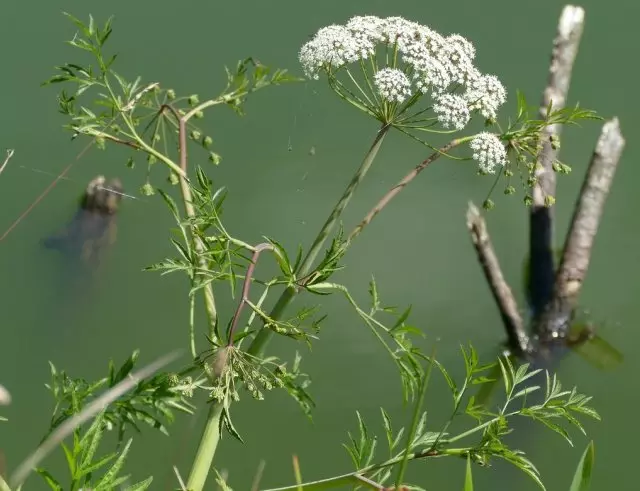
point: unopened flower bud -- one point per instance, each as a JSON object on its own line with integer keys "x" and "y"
{"x": 147, "y": 190}
{"x": 488, "y": 204}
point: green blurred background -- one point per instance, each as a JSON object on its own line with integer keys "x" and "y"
{"x": 418, "y": 249}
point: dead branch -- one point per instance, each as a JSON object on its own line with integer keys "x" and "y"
{"x": 565, "y": 49}
{"x": 10, "y": 153}
{"x": 518, "y": 339}
{"x": 584, "y": 225}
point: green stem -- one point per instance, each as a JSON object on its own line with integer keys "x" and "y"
{"x": 206, "y": 450}
{"x": 211, "y": 435}
{"x": 354, "y": 477}
{"x": 479, "y": 427}
{"x": 264, "y": 335}
{"x": 414, "y": 423}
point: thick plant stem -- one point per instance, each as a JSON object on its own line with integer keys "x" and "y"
{"x": 262, "y": 338}
{"x": 206, "y": 450}
{"x": 211, "y": 434}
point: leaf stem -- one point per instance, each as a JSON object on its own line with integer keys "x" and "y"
{"x": 384, "y": 201}
{"x": 414, "y": 423}
{"x": 261, "y": 340}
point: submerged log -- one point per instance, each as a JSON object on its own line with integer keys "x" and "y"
{"x": 93, "y": 227}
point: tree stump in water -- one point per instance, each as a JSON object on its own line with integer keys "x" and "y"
{"x": 93, "y": 227}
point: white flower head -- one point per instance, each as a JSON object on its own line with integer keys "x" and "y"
{"x": 452, "y": 111}
{"x": 431, "y": 74}
{"x": 397, "y": 29}
{"x": 332, "y": 46}
{"x": 486, "y": 94}
{"x": 460, "y": 65}
{"x": 463, "y": 44}
{"x": 434, "y": 63}
{"x": 367, "y": 31}
{"x": 488, "y": 151}
{"x": 392, "y": 84}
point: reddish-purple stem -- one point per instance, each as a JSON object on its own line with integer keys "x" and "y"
{"x": 246, "y": 286}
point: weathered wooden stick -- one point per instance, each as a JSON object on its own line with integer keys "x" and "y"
{"x": 541, "y": 267}
{"x": 518, "y": 339}
{"x": 584, "y": 225}
{"x": 10, "y": 153}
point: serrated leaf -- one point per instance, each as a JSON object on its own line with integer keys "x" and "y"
{"x": 282, "y": 257}
{"x": 403, "y": 317}
{"x": 386, "y": 421}
{"x": 506, "y": 376}
{"x": 557, "y": 428}
{"x": 140, "y": 486}
{"x": 228, "y": 424}
{"x": 526, "y": 391}
{"x": 107, "y": 480}
{"x": 71, "y": 461}
{"x": 48, "y": 478}
{"x": 170, "y": 203}
{"x": 128, "y": 365}
{"x": 447, "y": 377}
{"x": 94, "y": 433}
{"x": 373, "y": 293}
{"x": 582, "y": 477}
{"x": 91, "y": 467}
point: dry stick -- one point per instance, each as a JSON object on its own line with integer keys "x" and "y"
{"x": 541, "y": 268}
{"x": 10, "y": 153}
{"x": 518, "y": 338}
{"x": 584, "y": 226}
{"x": 66, "y": 428}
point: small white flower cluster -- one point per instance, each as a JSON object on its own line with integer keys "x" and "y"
{"x": 392, "y": 85}
{"x": 488, "y": 151}
{"x": 434, "y": 63}
{"x": 452, "y": 111}
{"x": 486, "y": 95}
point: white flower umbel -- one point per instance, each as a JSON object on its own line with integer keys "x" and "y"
{"x": 486, "y": 94}
{"x": 429, "y": 63}
{"x": 488, "y": 151}
{"x": 452, "y": 111}
{"x": 463, "y": 44}
{"x": 332, "y": 46}
{"x": 392, "y": 85}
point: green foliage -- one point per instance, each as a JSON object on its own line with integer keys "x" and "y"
{"x": 158, "y": 124}
{"x": 485, "y": 437}
{"x": 582, "y": 477}
{"x": 106, "y": 106}
{"x": 152, "y": 402}
{"x": 83, "y": 464}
